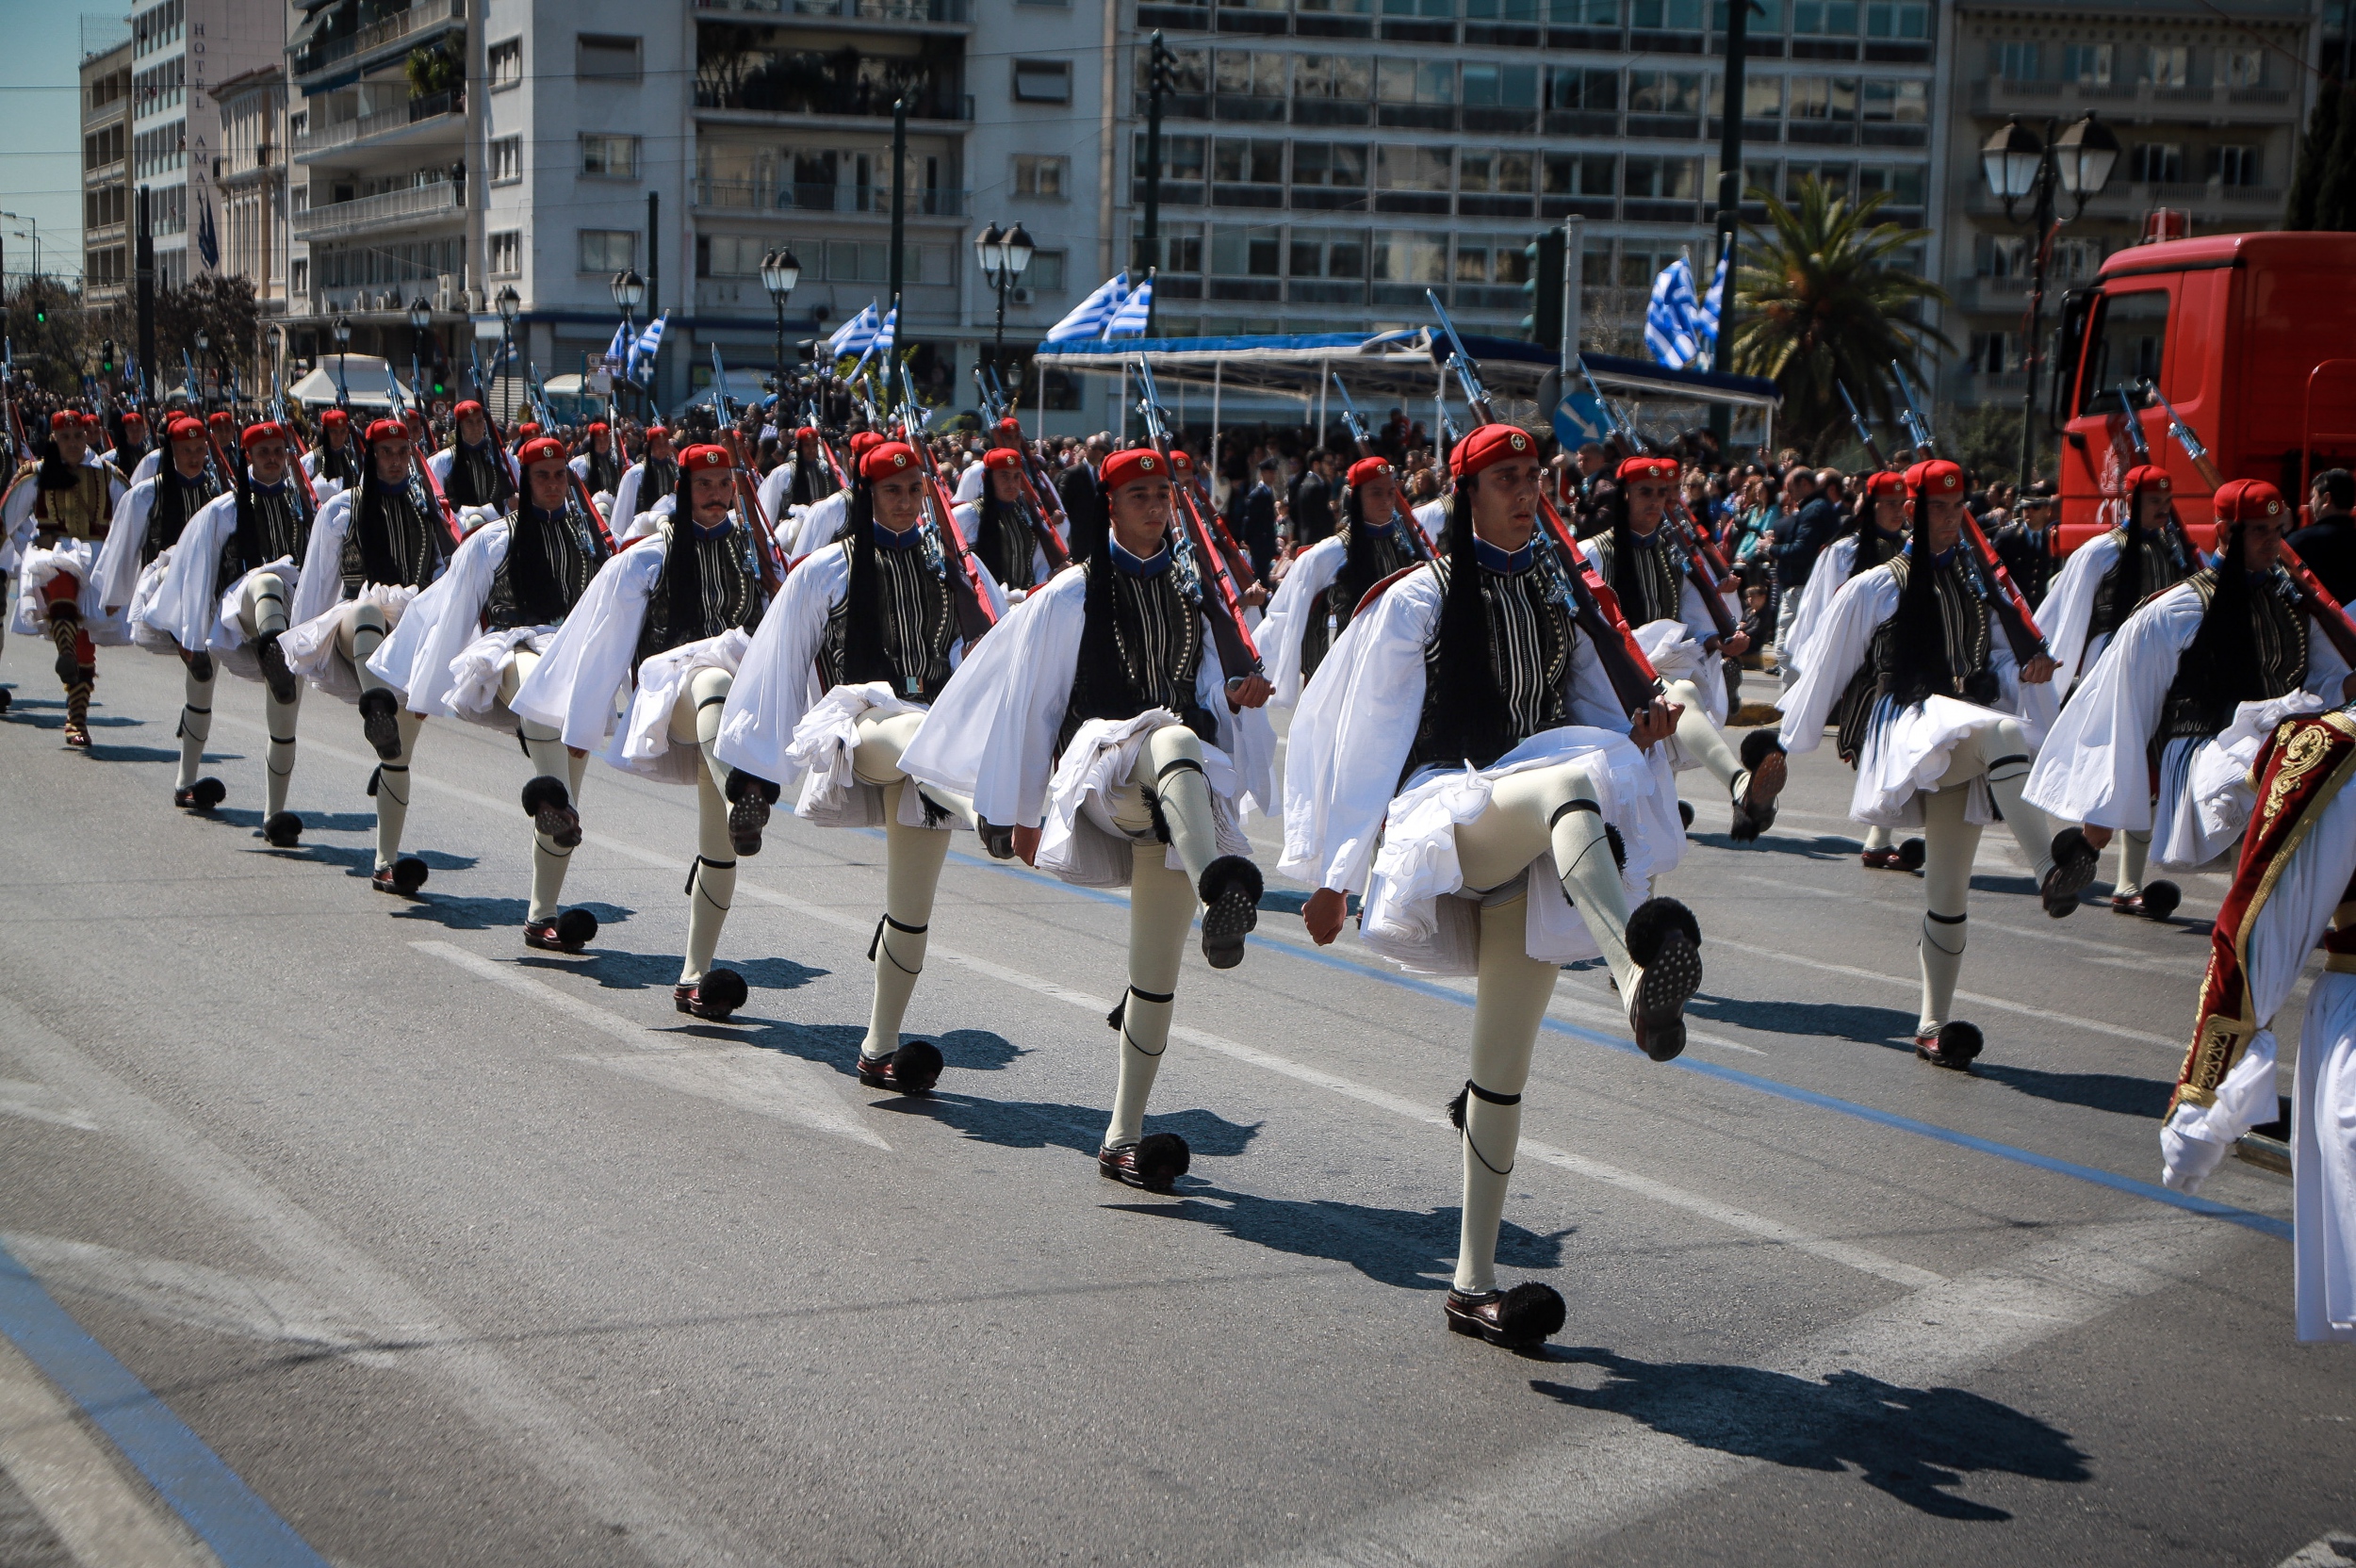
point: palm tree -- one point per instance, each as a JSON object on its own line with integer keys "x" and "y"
{"x": 1819, "y": 303}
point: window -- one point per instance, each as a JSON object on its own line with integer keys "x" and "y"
{"x": 2233, "y": 165}
{"x": 1585, "y": 13}
{"x": 1259, "y": 75}
{"x": 1581, "y": 174}
{"x": 506, "y": 62}
{"x": 2241, "y": 68}
{"x": 1410, "y": 257}
{"x": 605, "y": 57}
{"x": 2075, "y": 260}
{"x": 1994, "y": 353}
{"x": 1513, "y": 87}
{"x": 1570, "y": 87}
{"x": 507, "y": 160}
{"x": 1904, "y": 103}
{"x": 1341, "y": 164}
{"x": 1407, "y": 81}
{"x": 1036, "y": 174}
{"x": 729, "y": 256}
{"x": 1498, "y": 173}
{"x": 1327, "y": 253}
{"x": 1182, "y": 248}
{"x": 507, "y": 254}
{"x": 2130, "y": 337}
{"x": 1399, "y": 168}
{"x": 1042, "y": 81}
{"x": 1662, "y": 179}
{"x": 614, "y": 158}
{"x": 2014, "y": 61}
{"x": 1346, "y": 77}
{"x": 2089, "y": 64}
{"x": 1664, "y": 92}
{"x": 2169, "y": 66}
{"x": 1834, "y": 177}
{"x": 1482, "y": 261}
{"x": 1246, "y": 160}
{"x": 1245, "y": 253}
{"x": 1823, "y": 98}
{"x": 1182, "y": 156}
{"x": 608, "y": 250}
{"x": 1045, "y": 273}
{"x": 300, "y": 275}
{"x": 1906, "y": 20}
{"x": 1905, "y": 182}
{"x": 1824, "y": 18}
{"x": 2159, "y": 163}
{"x": 1683, "y": 16}
{"x": 1762, "y": 97}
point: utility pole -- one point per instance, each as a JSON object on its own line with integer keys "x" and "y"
{"x": 143, "y": 261}
{"x": 1729, "y": 198}
{"x": 1157, "y": 79}
{"x": 899, "y": 224}
{"x": 654, "y": 279}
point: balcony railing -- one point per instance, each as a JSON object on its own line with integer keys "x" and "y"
{"x": 2011, "y": 95}
{"x": 760, "y": 196}
{"x": 320, "y": 52}
{"x": 864, "y": 101}
{"x": 392, "y": 206}
{"x": 945, "y": 11}
{"x": 360, "y": 129}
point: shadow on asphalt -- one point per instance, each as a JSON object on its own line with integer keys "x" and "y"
{"x": 1868, "y": 1025}
{"x": 2145, "y": 1098}
{"x": 313, "y": 822}
{"x": 1916, "y": 1445}
{"x": 1821, "y": 847}
{"x": 100, "y": 751}
{"x": 359, "y": 861}
{"x": 1406, "y": 1248}
{"x": 639, "y": 972}
{"x": 492, "y": 914}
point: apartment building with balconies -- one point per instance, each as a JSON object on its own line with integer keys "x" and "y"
{"x": 2207, "y": 99}
{"x": 106, "y": 260}
{"x": 253, "y": 183}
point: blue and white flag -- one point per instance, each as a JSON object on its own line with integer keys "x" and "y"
{"x": 642, "y": 353}
{"x": 618, "y": 351}
{"x": 888, "y": 333}
{"x": 1715, "y": 300}
{"x": 853, "y": 336}
{"x": 1673, "y": 332}
{"x": 1131, "y": 319}
{"x": 1093, "y": 315}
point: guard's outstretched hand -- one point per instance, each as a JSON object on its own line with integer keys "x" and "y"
{"x": 1323, "y": 914}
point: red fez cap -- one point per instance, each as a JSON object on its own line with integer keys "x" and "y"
{"x": 541, "y": 449}
{"x": 92, "y": 422}
{"x": 133, "y": 416}
{"x": 268, "y": 429}
{"x": 1128, "y": 467}
{"x": 182, "y": 428}
{"x": 658, "y": 429}
{"x": 335, "y": 416}
{"x": 1937, "y": 476}
{"x": 705, "y": 456}
{"x": 597, "y": 427}
{"x": 806, "y": 432}
{"x": 862, "y": 440}
{"x": 1647, "y": 468}
{"x": 886, "y": 458}
{"x": 2240, "y": 500}
{"x": 469, "y": 406}
{"x": 2146, "y": 477}
{"x": 1011, "y": 426}
{"x": 1367, "y": 468}
{"x": 527, "y": 430}
{"x": 1179, "y": 462}
{"x": 1489, "y": 444}
{"x": 221, "y": 416}
{"x": 387, "y": 430}
{"x": 1002, "y": 457}
{"x": 65, "y": 418}
{"x": 1887, "y": 482}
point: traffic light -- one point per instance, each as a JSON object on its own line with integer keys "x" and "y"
{"x": 1545, "y": 288}
{"x": 106, "y": 356}
{"x": 40, "y": 315}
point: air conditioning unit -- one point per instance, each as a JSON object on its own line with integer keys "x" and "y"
{"x": 1018, "y": 296}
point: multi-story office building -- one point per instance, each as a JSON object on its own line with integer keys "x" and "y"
{"x": 180, "y": 51}
{"x": 252, "y": 185}
{"x": 106, "y": 197}
{"x": 2206, "y": 97}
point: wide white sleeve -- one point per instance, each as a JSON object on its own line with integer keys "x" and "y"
{"x": 1824, "y": 580}
{"x": 575, "y": 687}
{"x": 579, "y": 465}
{"x": 1856, "y": 612}
{"x": 16, "y": 521}
{"x": 1431, "y": 517}
{"x": 2326, "y": 670}
{"x": 1694, "y": 610}
{"x": 778, "y": 679}
{"x": 1285, "y": 627}
{"x": 1350, "y": 736}
{"x": 187, "y": 601}
{"x": 441, "y": 462}
{"x": 1245, "y": 734}
{"x": 2095, "y": 764}
{"x": 117, "y": 572}
{"x": 992, "y": 736}
{"x": 440, "y": 622}
{"x": 320, "y": 583}
{"x": 2066, "y": 614}
{"x": 820, "y": 522}
{"x": 626, "y": 493}
{"x": 774, "y": 485}
{"x": 647, "y": 521}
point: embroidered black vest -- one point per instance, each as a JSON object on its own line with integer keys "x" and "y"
{"x": 912, "y": 612}
{"x": 175, "y": 501}
{"x": 708, "y": 584}
{"x": 1003, "y": 541}
{"x": 1530, "y": 641}
{"x": 1649, "y": 581}
{"x": 605, "y": 472}
{"x": 272, "y": 524}
{"x": 550, "y": 558}
{"x": 1964, "y": 630}
{"x": 1157, "y": 641}
{"x": 2132, "y": 580}
{"x": 392, "y": 539}
{"x": 478, "y": 477}
{"x": 2199, "y": 704}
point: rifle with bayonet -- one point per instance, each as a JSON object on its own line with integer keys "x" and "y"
{"x": 1864, "y": 431}
{"x": 1594, "y": 604}
{"x": 2012, "y": 606}
{"x": 975, "y": 615}
{"x": 1034, "y": 492}
{"x": 1705, "y": 567}
{"x": 1238, "y": 655}
{"x": 1417, "y": 545}
{"x": 421, "y": 472}
{"x": 2179, "y": 544}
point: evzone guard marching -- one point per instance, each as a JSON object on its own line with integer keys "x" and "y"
{"x": 1916, "y": 663}
{"x": 649, "y": 485}
{"x": 465, "y": 646}
{"x": 1686, "y": 639}
{"x": 222, "y": 600}
{"x": 58, "y": 514}
{"x": 1482, "y": 756}
{"x": 1099, "y": 733}
{"x": 476, "y": 477}
{"x": 802, "y": 480}
{"x": 2155, "y": 744}
{"x": 997, "y": 526}
{"x": 373, "y": 550}
{"x": 2101, "y": 585}
{"x": 866, "y": 636}
{"x": 667, "y": 620}
{"x": 1311, "y": 607}
{"x": 333, "y": 459}
{"x": 1876, "y": 532}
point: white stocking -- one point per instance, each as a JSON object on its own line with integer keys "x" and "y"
{"x": 1508, "y": 1008}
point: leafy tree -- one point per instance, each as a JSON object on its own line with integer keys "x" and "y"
{"x": 222, "y": 308}
{"x": 1821, "y": 303}
{"x": 45, "y": 330}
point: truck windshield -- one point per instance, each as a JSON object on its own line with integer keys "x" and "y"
{"x": 2130, "y": 333}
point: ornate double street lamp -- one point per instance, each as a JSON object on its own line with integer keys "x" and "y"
{"x": 779, "y": 271}
{"x": 1004, "y": 253}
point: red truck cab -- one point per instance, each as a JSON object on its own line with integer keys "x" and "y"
{"x": 2251, "y": 337}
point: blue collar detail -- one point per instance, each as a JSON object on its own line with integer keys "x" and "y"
{"x": 887, "y": 540}
{"x": 1511, "y": 563}
{"x": 1136, "y": 566}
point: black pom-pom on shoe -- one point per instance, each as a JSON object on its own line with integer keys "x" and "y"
{"x": 1526, "y": 1315}
{"x": 549, "y": 806}
{"x": 1954, "y": 1047}
{"x": 1154, "y": 1162}
{"x": 1664, "y": 940}
{"x": 202, "y": 795}
{"x": 404, "y": 878}
{"x": 380, "y": 722}
{"x": 916, "y": 1067}
{"x": 1685, "y": 813}
{"x": 568, "y": 933}
{"x": 1231, "y": 891}
{"x": 2160, "y": 899}
{"x": 1911, "y": 854}
{"x": 714, "y": 997}
{"x": 283, "y": 830}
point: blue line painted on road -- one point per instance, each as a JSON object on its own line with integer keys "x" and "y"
{"x": 241, "y": 1528}
{"x": 2264, "y": 1224}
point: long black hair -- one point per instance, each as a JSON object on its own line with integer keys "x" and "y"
{"x": 1361, "y": 567}
{"x": 863, "y": 656}
{"x": 1872, "y": 548}
{"x": 1470, "y": 720}
{"x": 1919, "y": 639}
{"x": 2221, "y": 666}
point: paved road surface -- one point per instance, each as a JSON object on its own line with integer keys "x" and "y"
{"x": 453, "y": 1255}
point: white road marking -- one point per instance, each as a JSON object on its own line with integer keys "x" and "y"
{"x": 1549, "y": 1501}
{"x": 90, "y": 1505}
{"x": 40, "y": 1102}
{"x": 2336, "y": 1550}
{"x": 203, "y": 1298}
{"x": 766, "y": 1082}
{"x": 605, "y": 1479}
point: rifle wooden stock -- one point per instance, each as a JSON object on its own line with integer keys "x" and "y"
{"x": 773, "y": 569}
{"x": 1633, "y": 678}
{"x": 2318, "y": 600}
{"x": 2020, "y": 628}
{"x": 975, "y": 615}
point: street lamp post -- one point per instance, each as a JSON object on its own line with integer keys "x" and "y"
{"x": 630, "y": 292}
{"x": 203, "y": 399}
{"x": 342, "y": 331}
{"x": 779, "y": 273}
{"x": 1004, "y": 254}
{"x": 35, "y": 226}
{"x": 509, "y": 302}
{"x": 2018, "y": 163}
{"x": 420, "y": 322}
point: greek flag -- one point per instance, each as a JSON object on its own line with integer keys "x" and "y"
{"x": 1130, "y": 320}
{"x": 853, "y": 336}
{"x": 642, "y": 352}
{"x": 618, "y": 351}
{"x": 1095, "y": 313}
{"x": 886, "y": 334}
{"x": 1673, "y": 325}
{"x": 1707, "y": 318}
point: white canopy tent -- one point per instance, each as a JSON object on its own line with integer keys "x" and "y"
{"x": 362, "y": 374}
